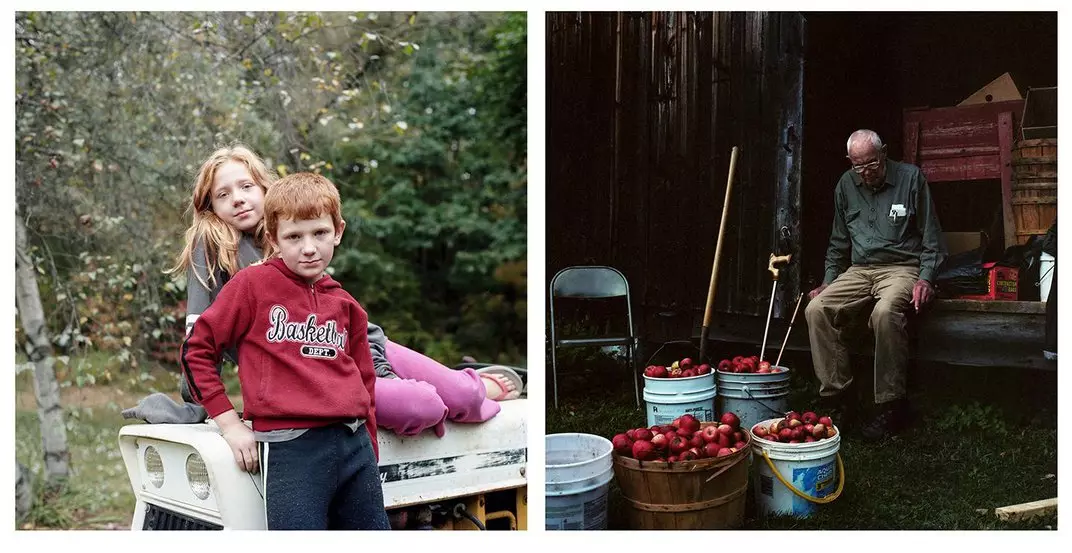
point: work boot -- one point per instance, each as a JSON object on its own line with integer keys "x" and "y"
{"x": 890, "y": 418}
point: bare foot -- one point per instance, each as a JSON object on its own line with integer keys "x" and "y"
{"x": 499, "y": 388}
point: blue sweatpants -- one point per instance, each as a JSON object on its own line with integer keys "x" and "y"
{"x": 325, "y": 479}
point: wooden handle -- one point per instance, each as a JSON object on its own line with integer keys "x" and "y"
{"x": 718, "y": 253}
{"x": 777, "y": 260}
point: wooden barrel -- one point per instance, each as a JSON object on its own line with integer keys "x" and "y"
{"x": 706, "y": 494}
{"x": 1034, "y": 187}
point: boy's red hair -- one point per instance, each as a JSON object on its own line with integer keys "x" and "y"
{"x": 301, "y": 196}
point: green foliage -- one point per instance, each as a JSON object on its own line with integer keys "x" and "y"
{"x": 972, "y": 417}
{"x": 418, "y": 118}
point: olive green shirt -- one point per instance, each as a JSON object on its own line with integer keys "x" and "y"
{"x": 894, "y": 225}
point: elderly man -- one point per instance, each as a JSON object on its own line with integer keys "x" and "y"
{"x": 885, "y": 250}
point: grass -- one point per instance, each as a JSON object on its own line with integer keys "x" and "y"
{"x": 982, "y": 438}
{"x": 98, "y": 494}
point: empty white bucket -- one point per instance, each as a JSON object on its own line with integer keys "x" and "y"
{"x": 1046, "y": 264}
{"x": 814, "y": 469}
{"x": 669, "y": 398}
{"x": 754, "y": 396}
{"x": 579, "y": 470}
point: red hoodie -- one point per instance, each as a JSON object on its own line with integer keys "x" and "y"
{"x": 303, "y": 351}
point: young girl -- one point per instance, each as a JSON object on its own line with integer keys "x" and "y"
{"x": 413, "y": 392}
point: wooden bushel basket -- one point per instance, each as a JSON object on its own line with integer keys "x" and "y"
{"x": 706, "y": 494}
{"x": 1034, "y": 187}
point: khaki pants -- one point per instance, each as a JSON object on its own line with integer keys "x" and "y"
{"x": 889, "y": 289}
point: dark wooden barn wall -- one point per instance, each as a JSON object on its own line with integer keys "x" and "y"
{"x": 643, "y": 110}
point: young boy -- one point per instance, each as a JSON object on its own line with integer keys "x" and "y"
{"x": 307, "y": 375}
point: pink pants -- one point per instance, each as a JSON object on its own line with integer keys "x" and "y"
{"x": 426, "y": 394}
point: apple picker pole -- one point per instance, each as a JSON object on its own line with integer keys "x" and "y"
{"x": 718, "y": 254}
{"x": 774, "y": 260}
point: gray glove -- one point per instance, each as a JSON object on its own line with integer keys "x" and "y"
{"x": 159, "y": 408}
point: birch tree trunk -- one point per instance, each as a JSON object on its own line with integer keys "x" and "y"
{"x": 39, "y": 349}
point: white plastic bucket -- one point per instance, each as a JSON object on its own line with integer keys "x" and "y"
{"x": 1046, "y": 264}
{"x": 812, "y": 468}
{"x": 754, "y": 396}
{"x": 669, "y": 398}
{"x": 579, "y": 470}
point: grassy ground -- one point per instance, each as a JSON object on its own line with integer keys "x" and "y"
{"x": 982, "y": 438}
{"x": 98, "y": 495}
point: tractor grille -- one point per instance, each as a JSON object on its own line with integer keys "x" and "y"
{"x": 159, "y": 518}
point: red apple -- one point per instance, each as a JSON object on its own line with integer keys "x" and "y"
{"x": 710, "y": 433}
{"x": 660, "y": 372}
{"x": 738, "y": 436}
{"x": 703, "y": 369}
{"x": 740, "y": 445}
{"x": 686, "y": 362}
{"x": 785, "y": 434}
{"x": 819, "y": 431}
{"x": 760, "y": 431}
{"x": 670, "y": 435}
{"x": 643, "y": 434}
{"x": 798, "y": 433}
{"x": 826, "y": 421}
{"x": 671, "y": 459}
{"x": 809, "y": 439}
{"x": 687, "y": 455}
{"x": 697, "y": 440}
{"x": 764, "y": 366}
{"x": 792, "y": 415}
{"x": 678, "y": 444}
{"x": 688, "y": 373}
{"x": 725, "y": 365}
{"x": 731, "y": 419}
{"x": 808, "y": 428}
{"x": 809, "y": 418}
{"x": 725, "y": 440}
{"x": 643, "y": 450}
{"x": 631, "y": 433}
{"x": 795, "y": 423}
{"x": 660, "y": 442}
{"x": 711, "y": 450}
{"x": 697, "y": 451}
{"x": 622, "y": 444}
{"x": 724, "y": 452}
{"x": 762, "y": 371}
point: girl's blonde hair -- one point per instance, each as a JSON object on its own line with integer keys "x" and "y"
{"x": 219, "y": 238}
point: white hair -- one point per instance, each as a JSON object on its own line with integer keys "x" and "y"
{"x": 862, "y": 134}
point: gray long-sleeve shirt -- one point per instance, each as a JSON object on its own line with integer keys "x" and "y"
{"x": 894, "y": 225}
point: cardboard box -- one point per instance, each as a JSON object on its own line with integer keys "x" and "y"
{"x": 1001, "y": 283}
{"x": 957, "y": 242}
{"x": 1000, "y": 89}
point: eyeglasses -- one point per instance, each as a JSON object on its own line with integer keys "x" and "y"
{"x": 870, "y": 166}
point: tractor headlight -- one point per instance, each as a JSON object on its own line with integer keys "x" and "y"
{"x": 154, "y": 466}
{"x": 197, "y": 476}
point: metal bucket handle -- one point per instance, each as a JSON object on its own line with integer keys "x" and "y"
{"x": 757, "y": 400}
{"x": 746, "y": 390}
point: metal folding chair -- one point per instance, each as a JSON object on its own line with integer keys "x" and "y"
{"x": 591, "y": 283}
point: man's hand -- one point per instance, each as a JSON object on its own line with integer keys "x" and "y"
{"x": 817, "y": 291}
{"x": 240, "y": 438}
{"x": 922, "y": 293}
